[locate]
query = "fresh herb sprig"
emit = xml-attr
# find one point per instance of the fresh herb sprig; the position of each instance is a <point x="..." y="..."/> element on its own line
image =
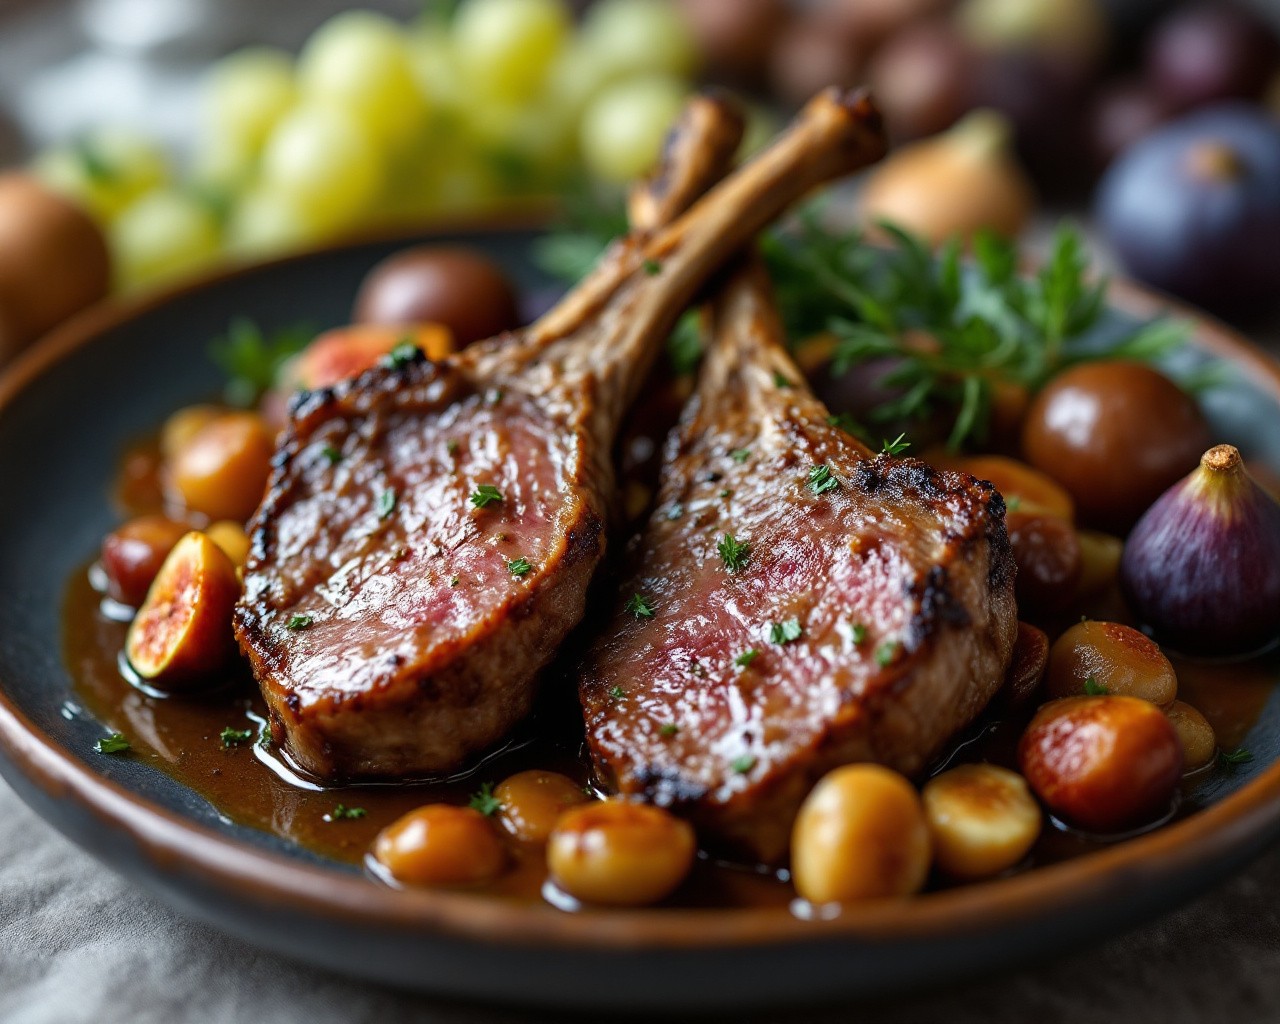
<point x="950" y="333"/>
<point x="252" y="358"/>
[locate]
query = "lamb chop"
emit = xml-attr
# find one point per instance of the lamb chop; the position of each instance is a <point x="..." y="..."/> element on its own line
<point x="430" y="529"/>
<point x="794" y="602"/>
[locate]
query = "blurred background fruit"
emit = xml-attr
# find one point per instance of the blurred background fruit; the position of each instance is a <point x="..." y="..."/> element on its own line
<point x="188" y="149"/>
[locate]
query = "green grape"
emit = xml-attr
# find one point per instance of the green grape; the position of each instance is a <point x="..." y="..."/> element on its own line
<point x="641" y="36"/>
<point x="505" y="48"/>
<point x="105" y="171"/>
<point x="246" y="94"/>
<point x="580" y="74"/>
<point x="266" y="223"/>
<point x="623" y="129"/>
<point x="322" y="158"/>
<point x="435" y="68"/>
<point x="223" y="164"/>
<point x="360" y="60"/>
<point x="163" y="235"/>
<point x="529" y="146"/>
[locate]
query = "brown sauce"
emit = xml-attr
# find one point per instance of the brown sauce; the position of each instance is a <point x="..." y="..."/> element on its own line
<point x="252" y="785"/>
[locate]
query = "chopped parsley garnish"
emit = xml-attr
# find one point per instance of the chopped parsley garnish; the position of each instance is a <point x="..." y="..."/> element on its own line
<point x="454" y="580"/>
<point x="451" y="446"/>
<point x="1094" y="688"/>
<point x="785" y="632"/>
<point x="743" y="764"/>
<point x="486" y="495"/>
<point x="1012" y="503"/>
<point x="740" y="454"/>
<point x="519" y="566"/>
<point x="821" y="481"/>
<point x="733" y="553"/>
<point x="726" y="493"/>
<point x="780" y="380"/>
<point x="857" y="633"/>
<point x="897" y="446"/>
<point x="297" y="622"/>
<point x="652" y="267"/>
<point x="616" y="693"/>
<point x="403" y="354"/>
<point x="386" y="503"/>
<point x="668" y="729"/>
<point x="264" y="735"/>
<point x="1237" y="756"/>
<point x="484" y="801"/>
<point x="640" y="606"/>
<point x="331" y="454"/>
<point x="234" y="737"/>
<point x="746" y="657"/>
<point x="113" y="744"/>
<point x="341" y="812"/>
<point x="886" y="652"/>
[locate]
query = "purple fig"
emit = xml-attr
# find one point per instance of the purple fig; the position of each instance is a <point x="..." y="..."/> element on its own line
<point x="1202" y="568"/>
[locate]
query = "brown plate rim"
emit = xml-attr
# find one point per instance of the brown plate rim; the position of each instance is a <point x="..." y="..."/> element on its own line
<point x="174" y="844"/>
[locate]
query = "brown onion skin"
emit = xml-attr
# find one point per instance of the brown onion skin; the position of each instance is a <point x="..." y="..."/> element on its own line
<point x="1116" y="434"/>
<point x="1202" y="568"/>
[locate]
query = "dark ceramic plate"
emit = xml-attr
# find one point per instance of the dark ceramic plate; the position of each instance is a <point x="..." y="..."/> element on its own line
<point x="66" y="413"/>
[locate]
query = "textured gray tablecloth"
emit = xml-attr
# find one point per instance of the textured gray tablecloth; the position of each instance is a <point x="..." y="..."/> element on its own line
<point x="80" y="946"/>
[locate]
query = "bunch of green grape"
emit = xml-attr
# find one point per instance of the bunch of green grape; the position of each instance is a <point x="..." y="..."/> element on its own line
<point x="376" y="123"/>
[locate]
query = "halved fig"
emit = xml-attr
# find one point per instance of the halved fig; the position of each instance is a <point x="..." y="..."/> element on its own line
<point x="181" y="637"/>
<point x="348" y="351"/>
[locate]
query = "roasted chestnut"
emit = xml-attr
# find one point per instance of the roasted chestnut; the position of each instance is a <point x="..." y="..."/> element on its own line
<point x="1115" y="434"/>
<point x="1102" y="763"/>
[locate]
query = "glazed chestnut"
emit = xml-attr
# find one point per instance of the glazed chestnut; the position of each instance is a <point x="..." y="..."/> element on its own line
<point x="132" y="556"/>
<point x="1025" y="490"/>
<point x="1117" y="658"/>
<point x="1026" y="669"/>
<point x="860" y="834"/>
<point x="533" y="801"/>
<point x="222" y="471"/>
<point x="1116" y="435"/>
<point x="618" y="853"/>
<point x="441" y="845"/>
<point x="1047" y="555"/>
<point x="181" y="637"/>
<point x="1102" y="763"/>
<point x="459" y="288"/>
<point x="1202" y="567"/>
<point x="1196" y="735"/>
<point x="983" y="820"/>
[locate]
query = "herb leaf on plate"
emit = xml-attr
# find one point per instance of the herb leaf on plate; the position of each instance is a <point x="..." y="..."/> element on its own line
<point x="251" y="359"/>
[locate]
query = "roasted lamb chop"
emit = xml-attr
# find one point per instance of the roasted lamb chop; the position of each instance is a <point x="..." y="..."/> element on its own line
<point x="430" y="529"/>
<point x="794" y="603"/>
